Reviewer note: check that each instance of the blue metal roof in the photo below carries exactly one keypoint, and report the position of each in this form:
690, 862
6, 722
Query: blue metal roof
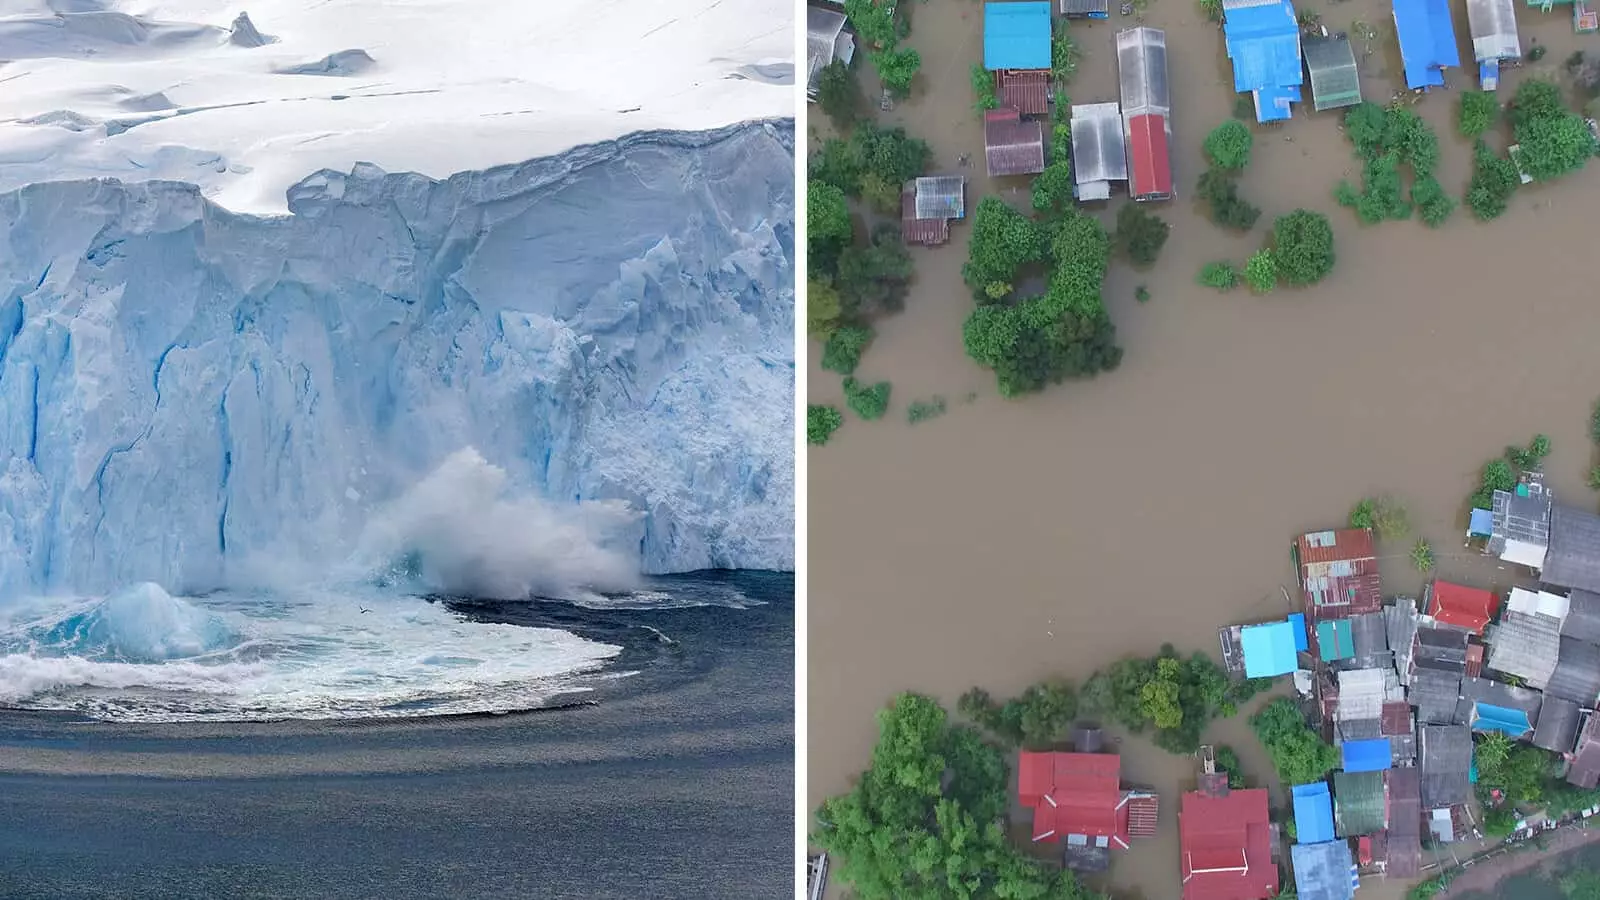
1298, 622
1481, 523
1323, 871
1427, 40
1264, 43
1372, 755
1016, 35
1268, 649
1275, 104
1513, 722
1313, 813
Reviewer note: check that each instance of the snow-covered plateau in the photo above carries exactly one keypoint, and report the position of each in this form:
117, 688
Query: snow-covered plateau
337, 302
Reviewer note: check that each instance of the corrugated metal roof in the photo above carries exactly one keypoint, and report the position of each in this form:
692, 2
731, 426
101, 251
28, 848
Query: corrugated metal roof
1493, 24
941, 196
1583, 617
823, 27
1526, 646
1150, 161
1012, 145
1427, 40
1263, 40
1405, 822
913, 230
1358, 806
1334, 640
1095, 8
1446, 755
1521, 522
1142, 71
1577, 674
1313, 813
1026, 92
1435, 695
1371, 755
1573, 560
1513, 723
1335, 81
1363, 692
1322, 871
1016, 35
1461, 606
1268, 649
1558, 725
1098, 151
1585, 769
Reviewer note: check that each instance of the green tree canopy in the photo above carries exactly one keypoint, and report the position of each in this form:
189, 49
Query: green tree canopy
1477, 113
1003, 240
842, 352
1140, 233
827, 218
896, 68
1299, 754
821, 423
1261, 272
839, 94
1302, 247
1228, 145
874, 279
1554, 140
822, 309
869, 401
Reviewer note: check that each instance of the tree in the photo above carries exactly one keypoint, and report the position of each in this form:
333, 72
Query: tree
896, 69
883, 196
869, 401
1003, 240
822, 309
1158, 699
1554, 140
1221, 195
1299, 754
1260, 272
1361, 514
1220, 275
874, 23
1302, 247
1227, 759
1052, 188
821, 423
1476, 113
839, 94
842, 352
874, 279
1140, 234
1431, 201
983, 89
1228, 146
1494, 180
1063, 57
827, 218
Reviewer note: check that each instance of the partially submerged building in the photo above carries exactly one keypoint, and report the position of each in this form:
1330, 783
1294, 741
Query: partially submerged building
1439, 660
828, 39
1085, 9
928, 204
1099, 156
1489, 705
1322, 871
1331, 63
1573, 559
1270, 649
1493, 24
1225, 844
1359, 807
1404, 859
1012, 145
1313, 812
1078, 800
1468, 608
1338, 570
1525, 645
1262, 39
1445, 752
1016, 35
1520, 523
1146, 111
1427, 40
1577, 674
1027, 92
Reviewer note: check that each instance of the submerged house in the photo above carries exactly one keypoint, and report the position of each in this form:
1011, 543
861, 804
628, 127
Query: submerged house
827, 40
1270, 649
928, 204
1459, 606
1322, 871
1557, 730
1012, 145
1016, 35
1262, 39
1439, 660
1584, 770
1525, 645
1225, 844
1427, 40
1099, 156
1520, 523
1146, 111
1338, 569
1026, 92
1331, 63
1359, 807
1313, 812
1078, 800
1493, 24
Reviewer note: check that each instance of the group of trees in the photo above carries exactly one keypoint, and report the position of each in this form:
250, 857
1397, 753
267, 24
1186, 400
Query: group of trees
1386, 139
881, 26
1299, 253
1518, 772
925, 820
1299, 754
1501, 474
1227, 150
1036, 719
1034, 341
1554, 140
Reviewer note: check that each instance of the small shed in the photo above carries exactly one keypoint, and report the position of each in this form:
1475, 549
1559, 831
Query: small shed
1358, 803
1085, 9
1493, 24
1012, 145
1405, 823
1027, 92
1446, 761
1373, 755
1269, 649
1099, 155
1016, 35
1313, 813
1335, 82
1557, 730
1520, 531
1427, 39
1480, 524
1322, 871
1573, 560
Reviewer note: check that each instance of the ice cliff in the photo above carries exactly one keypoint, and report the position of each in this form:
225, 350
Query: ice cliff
187, 392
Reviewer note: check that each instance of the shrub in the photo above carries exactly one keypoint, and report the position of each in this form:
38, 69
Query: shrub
1494, 180
1228, 146
839, 94
896, 69
1302, 247
1431, 201
1477, 113
1211, 9
821, 423
822, 309
984, 90
827, 218
869, 401
1299, 754
1141, 294
1140, 233
1221, 195
1260, 272
1003, 240
1554, 140
923, 410
1063, 57
842, 352
1422, 556
1220, 275
1052, 188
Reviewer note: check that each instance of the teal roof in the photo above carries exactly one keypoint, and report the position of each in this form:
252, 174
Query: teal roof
1268, 649
1334, 640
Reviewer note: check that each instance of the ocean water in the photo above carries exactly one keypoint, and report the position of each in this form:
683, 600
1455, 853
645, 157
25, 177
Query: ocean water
673, 777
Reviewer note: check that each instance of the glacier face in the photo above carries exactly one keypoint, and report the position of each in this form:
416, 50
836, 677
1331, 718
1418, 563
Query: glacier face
188, 394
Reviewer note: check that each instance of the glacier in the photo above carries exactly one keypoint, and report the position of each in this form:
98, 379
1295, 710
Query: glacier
206, 399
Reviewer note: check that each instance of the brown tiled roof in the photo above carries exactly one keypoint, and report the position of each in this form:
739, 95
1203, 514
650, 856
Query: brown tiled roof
913, 230
1397, 718
1012, 145
1143, 813
1026, 91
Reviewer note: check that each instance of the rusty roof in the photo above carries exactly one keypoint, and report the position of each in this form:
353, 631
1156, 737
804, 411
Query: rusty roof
1027, 92
928, 232
1012, 145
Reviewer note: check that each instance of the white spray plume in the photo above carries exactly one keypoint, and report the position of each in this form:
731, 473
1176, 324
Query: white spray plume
474, 538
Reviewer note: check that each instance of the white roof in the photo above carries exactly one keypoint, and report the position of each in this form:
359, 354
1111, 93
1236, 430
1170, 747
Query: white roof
1524, 554
1099, 150
430, 86
1541, 603
1493, 24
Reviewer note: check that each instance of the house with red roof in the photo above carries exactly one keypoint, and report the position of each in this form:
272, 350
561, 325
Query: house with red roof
1463, 607
1225, 843
1338, 573
1078, 799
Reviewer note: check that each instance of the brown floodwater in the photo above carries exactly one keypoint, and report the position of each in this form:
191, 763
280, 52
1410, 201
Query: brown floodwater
1010, 541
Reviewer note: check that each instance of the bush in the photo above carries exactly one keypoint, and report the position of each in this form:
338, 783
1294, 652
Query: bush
1220, 275
1386, 139
821, 423
1228, 146
923, 410
1037, 718
875, 23
869, 401
983, 88
1211, 9
1299, 754
1431, 200
1477, 113
1422, 556
889, 153
1052, 188
839, 94
874, 279
822, 309
1003, 240
1494, 180
1140, 233
827, 218
1260, 272
1302, 247
1220, 192
1554, 140
842, 352
1063, 56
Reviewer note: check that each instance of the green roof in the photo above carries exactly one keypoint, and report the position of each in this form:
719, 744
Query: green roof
1335, 82
1358, 803
1334, 640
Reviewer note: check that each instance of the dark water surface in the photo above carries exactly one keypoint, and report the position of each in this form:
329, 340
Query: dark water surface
678, 784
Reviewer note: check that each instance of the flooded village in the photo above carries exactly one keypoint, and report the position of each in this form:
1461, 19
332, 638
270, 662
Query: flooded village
1012, 541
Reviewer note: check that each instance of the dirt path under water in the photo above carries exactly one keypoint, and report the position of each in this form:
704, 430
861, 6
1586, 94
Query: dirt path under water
1013, 540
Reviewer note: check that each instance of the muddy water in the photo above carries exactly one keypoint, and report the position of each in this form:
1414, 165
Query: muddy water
1012, 540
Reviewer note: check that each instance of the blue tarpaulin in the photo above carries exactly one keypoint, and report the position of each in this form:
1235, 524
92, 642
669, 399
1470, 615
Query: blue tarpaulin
1481, 523
1268, 649
1512, 722
1264, 43
1016, 35
1298, 621
1313, 813
1372, 755
1427, 40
